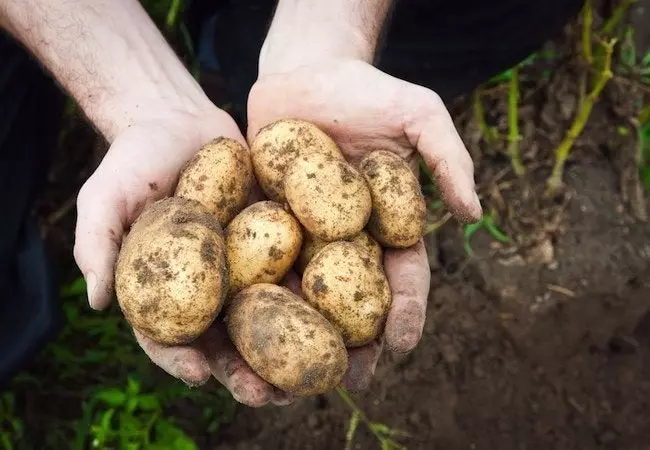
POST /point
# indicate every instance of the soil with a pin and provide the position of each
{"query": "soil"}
(538, 343)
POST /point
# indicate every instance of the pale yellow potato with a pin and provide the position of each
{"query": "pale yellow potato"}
(329, 197)
(399, 212)
(279, 143)
(347, 286)
(219, 177)
(286, 341)
(368, 243)
(311, 245)
(262, 243)
(171, 276)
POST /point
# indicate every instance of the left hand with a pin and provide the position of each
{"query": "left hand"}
(364, 109)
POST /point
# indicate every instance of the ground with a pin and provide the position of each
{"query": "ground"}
(540, 342)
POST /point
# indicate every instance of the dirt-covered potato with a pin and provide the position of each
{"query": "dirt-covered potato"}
(399, 211)
(311, 245)
(219, 177)
(171, 276)
(328, 196)
(286, 341)
(279, 143)
(262, 243)
(347, 286)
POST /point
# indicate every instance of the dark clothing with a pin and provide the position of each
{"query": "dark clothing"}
(448, 46)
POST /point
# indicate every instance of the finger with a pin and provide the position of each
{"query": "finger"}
(436, 139)
(98, 236)
(409, 277)
(362, 362)
(230, 369)
(183, 362)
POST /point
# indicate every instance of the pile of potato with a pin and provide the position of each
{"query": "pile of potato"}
(203, 252)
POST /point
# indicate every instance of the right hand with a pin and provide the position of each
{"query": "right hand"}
(142, 166)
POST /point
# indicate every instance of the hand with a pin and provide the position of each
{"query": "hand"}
(141, 166)
(364, 109)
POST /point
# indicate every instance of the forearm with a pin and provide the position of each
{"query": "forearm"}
(108, 55)
(309, 31)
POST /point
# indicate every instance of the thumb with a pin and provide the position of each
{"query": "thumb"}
(98, 236)
(432, 132)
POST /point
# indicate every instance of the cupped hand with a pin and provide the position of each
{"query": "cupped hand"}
(364, 109)
(141, 166)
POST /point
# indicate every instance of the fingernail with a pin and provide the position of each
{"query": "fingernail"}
(91, 285)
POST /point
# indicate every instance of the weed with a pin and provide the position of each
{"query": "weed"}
(488, 223)
(383, 433)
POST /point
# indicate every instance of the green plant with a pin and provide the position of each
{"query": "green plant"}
(383, 433)
(11, 427)
(488, 223)
(644, 146)
(630, 63)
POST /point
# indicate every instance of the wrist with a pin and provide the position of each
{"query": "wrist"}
(310, 32)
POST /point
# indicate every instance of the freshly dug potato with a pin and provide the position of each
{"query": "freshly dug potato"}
(328, 196)
(279, 143)
(285, 341)
(368, 243)
(262, 243)
(347, 286)
(171, 276)
(219, 177)
(311, 245)
(398, 208)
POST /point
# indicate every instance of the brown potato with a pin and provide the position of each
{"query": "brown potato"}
(171, 275)
(262, 243)
(285, 341)
(399, 211)
(347, 286)
(279, 143)
(311, 245)
(219, 177)
(328, 196)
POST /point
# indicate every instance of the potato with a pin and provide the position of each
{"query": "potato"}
(368, 243)
(171, 275)
(219, 177)
(285, 341)
(399, 211)
(279, 143)
(311, 245)
(347, 286)
(262, 243)
(328, 196)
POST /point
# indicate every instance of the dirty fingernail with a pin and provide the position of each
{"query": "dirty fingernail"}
(91, 285)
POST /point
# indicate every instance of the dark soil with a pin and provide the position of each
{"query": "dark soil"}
(542, 343)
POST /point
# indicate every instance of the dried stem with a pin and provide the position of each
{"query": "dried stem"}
(562, 151)
(513, 124)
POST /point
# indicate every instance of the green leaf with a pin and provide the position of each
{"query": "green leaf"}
(74, 289)
(646, 59)
(149, 403)
(645, 177)
(496, 232)
(468, 232)
(113, 397)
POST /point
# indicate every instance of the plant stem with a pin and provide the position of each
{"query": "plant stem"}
(644, 115)
(616, 17)
(562, 151)
(479, 116)
(173, 13)
(513, 123)
(587, 21)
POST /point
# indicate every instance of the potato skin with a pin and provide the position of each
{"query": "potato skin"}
(279, 143)
(399, 211)
(329, 197)
(311, 245)
(347, 286)
(171, 274)
(262, 243)
(219, 177)
(285, 341)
